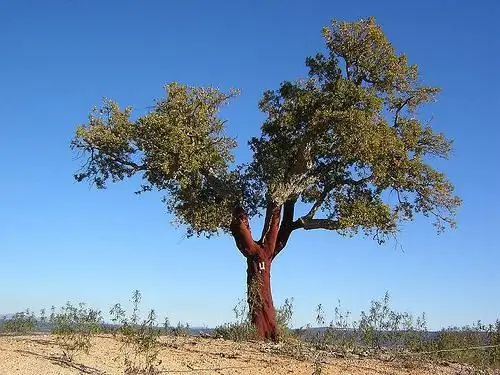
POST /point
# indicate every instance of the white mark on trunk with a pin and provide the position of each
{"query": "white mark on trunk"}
(262, 266)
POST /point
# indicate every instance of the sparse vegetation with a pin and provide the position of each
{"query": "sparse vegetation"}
(241, 329)
(284, 316)
(383, 327)
(380, 332)
(476, 345)
(74, 327)
(140, 339)
(181, 329)
(20, 323)
(385, 333)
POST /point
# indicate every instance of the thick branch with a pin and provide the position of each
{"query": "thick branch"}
(240, 229)
(308, 224)
(288, 211)
(305, 223)
(286, 227)
(270, 234)
(267, 219)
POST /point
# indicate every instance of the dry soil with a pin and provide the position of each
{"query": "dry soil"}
(40, 354)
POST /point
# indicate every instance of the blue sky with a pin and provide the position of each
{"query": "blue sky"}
(61, 241)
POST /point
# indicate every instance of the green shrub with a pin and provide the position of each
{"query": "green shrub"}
(74, 327)
(240, 330)
(384, 327)
(140, 339)
(243, 330)
(21, 323)
(284, 316)
(180, 330)
(472, 343)
(494, 340)
(339, 335)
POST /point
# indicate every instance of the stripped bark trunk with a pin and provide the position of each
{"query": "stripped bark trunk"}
(260, 300)
(259, 256)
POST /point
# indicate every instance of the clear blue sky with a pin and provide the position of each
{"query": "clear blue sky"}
(61, 241)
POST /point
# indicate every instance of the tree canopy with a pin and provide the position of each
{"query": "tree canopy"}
(346, 140)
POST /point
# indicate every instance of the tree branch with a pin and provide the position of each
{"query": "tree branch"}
(347, 66)
(318, 203)
(267, 219)
(240, 229)
(400, 108)
(271, 228)
(286, 227)
(361, 181)
(135, 167)
(308, 224)
(87, 146)
(288, 211)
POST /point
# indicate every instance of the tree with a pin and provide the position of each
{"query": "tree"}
(346, 141)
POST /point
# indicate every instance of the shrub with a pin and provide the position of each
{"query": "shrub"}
(284, 316)
(340, 334)
(21, 323)
(180, 330)
(74, 327)
(384, 327)
(468, 337)
(140, 339)
(243, 330)
(240, 330)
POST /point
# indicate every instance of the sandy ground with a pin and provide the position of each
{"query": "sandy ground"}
(39, 354)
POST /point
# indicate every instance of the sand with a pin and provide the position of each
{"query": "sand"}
(40, 354)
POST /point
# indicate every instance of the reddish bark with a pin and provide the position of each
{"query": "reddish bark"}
(259, 255)
(260, 300)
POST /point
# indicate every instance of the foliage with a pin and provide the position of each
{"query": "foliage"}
(20, 323)
(180, 330)
(179, 147)
(467, 337)
(346, 140)
(381, 327)
(284, 315)
(340, 334)
(140, 339)
(241, 329)
(74, 327)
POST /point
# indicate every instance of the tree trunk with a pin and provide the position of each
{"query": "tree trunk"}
(259, 256)
(260, 300)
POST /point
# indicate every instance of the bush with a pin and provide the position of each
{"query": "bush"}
(240, 330)
(140, 339)
(284, 316)
(21, 323)
(243, 330)
(340, 334)
(468, 337)
(384, 327)
(74, 327)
